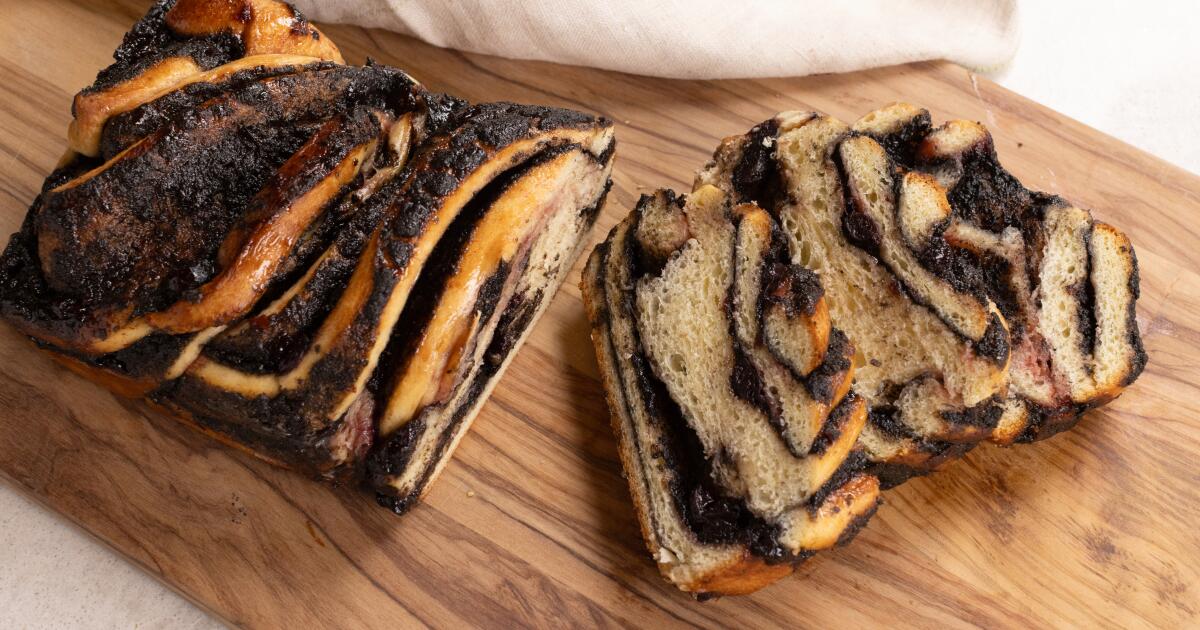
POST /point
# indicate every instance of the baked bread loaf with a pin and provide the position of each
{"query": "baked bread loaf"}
(972, 310)
(326, 265)
(730, 392)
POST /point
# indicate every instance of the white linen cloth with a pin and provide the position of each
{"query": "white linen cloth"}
(701, 39)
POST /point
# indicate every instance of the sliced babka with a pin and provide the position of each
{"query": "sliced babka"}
(326, 265)
(933, 356)
(1066, 284)
(973, 310)
(730, 392)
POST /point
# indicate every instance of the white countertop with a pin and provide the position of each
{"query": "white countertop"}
(1124, 70)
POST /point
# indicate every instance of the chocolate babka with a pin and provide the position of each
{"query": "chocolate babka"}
(730, 392)
(982, 310)
(971, 310)
(326, 265)
(1066, 284)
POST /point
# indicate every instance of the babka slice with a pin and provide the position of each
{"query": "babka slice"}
(1066, 284)
(491, 277)
(940, 265)
(730, 392)
(932, 357)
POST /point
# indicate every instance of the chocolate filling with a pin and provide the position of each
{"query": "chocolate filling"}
(396, 454)
(756, 175)
(891, 475)
(902, 144)
(275, 343)
(886, 418)
(1085, 296)
(1140, 357)
(861, 231)
(822, 382)
(984, 415)
(795, 288)
(834, 425)
(125, 128)
(986, 195)
(747, 383)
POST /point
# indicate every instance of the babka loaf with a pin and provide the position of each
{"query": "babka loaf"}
(730, 392)
(972, 310)
(326, 265)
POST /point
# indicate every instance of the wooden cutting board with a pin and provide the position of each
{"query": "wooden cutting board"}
(531, 522)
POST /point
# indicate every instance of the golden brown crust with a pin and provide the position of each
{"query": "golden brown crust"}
(264, 26)
(744, 576)
(593, 305)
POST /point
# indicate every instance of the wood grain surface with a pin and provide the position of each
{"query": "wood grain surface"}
(531, 522)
